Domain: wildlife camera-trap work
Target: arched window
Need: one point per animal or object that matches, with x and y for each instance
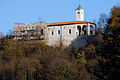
(41, 31)
(79, 29)
(91, 29)
(84, 29)
(25, 33)
(17, 33)
(32, 27)
(20, 34)
(32, 32)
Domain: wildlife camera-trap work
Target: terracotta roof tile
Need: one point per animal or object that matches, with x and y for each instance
(71, 22)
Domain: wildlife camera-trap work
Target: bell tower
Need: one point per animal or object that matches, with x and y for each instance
(79, 14)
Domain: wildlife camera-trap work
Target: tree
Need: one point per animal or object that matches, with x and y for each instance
(8, 35)
(103, 20)
(114, 19)
(109, 49)
(1, 40)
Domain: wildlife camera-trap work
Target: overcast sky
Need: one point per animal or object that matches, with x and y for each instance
(27, 11)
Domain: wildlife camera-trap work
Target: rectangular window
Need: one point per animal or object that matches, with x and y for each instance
(58, 31)
(69, 31)
(52, 33)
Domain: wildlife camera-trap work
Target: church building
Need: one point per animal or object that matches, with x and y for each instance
(54, 34)
(70, 33)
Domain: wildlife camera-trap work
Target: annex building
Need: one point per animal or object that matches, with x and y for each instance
(54, 34)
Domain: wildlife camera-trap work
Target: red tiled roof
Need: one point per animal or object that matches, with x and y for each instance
(19, 23)
(71, 22)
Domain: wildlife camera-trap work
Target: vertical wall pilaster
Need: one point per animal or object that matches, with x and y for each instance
(88, 29)
(27, 33)
(18, 33)
(93, 29)
(81, 32)
(21, 33)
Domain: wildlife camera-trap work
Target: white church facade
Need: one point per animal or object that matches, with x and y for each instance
(67, 32)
